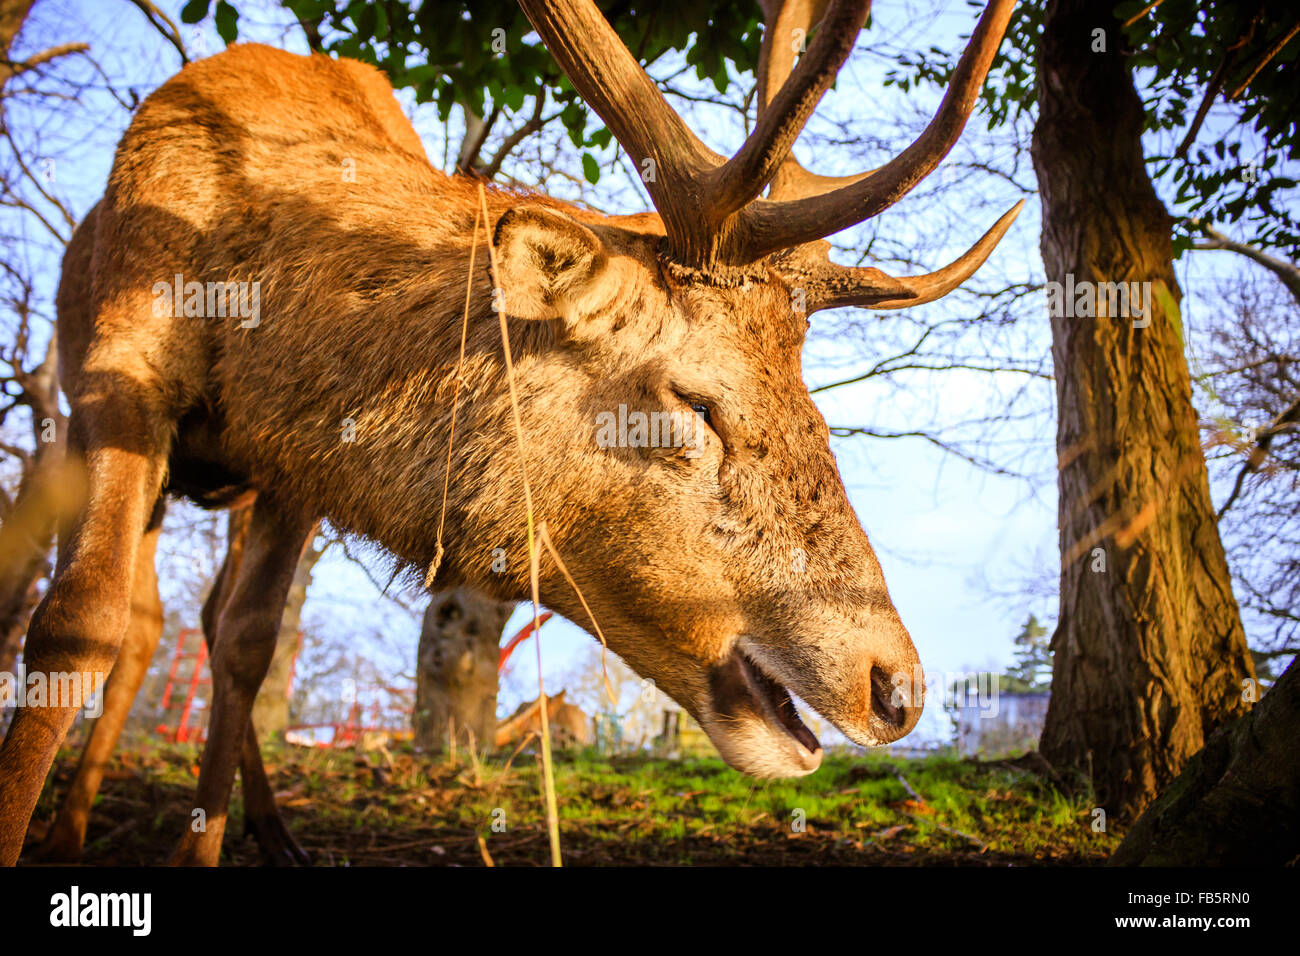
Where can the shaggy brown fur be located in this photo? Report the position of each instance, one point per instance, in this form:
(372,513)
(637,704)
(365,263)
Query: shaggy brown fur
(724,577)
(65,839)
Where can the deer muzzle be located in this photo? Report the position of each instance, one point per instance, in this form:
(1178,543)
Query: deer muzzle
(871,690)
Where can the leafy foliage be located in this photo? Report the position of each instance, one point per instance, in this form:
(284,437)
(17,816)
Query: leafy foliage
(1178,51)
(1032,671)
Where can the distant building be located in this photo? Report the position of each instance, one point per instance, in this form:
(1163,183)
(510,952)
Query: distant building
(999,723)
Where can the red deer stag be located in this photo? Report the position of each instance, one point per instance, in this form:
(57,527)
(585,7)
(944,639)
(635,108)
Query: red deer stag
(731,570)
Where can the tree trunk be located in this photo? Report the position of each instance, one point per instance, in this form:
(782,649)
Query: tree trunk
(271,708)
(27,539)
(456,670)
(1238,801)
(1150,652)
(44,492)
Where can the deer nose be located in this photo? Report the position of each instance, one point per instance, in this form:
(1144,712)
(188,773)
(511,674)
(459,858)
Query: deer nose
(897,698)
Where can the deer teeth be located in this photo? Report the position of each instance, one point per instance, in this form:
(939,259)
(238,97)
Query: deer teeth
(777,705)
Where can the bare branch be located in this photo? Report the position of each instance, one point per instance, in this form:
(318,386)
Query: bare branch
(1287,272)
(1259,451)
(164,25)
(11,68)
(508,145)
(476,133)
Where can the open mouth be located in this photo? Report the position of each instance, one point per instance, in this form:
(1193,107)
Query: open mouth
(741,687)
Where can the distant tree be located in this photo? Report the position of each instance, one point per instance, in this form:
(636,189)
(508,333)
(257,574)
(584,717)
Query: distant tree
(1032,671)
(1029,673)
(456,670)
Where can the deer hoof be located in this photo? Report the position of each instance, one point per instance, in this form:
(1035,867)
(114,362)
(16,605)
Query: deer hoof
(277,844)
(59,846)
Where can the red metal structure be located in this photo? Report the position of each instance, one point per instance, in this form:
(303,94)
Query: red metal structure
(188,727)
(200,675)
(353,728)
(519,638)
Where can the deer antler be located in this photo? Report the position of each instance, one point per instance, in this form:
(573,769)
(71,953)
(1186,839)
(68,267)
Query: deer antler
(808,266)
(790,19)
(712,215)
(701,196)
(828,285)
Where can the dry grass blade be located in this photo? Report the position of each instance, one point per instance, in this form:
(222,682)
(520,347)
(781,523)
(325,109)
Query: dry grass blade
(528,738)
(455,401)
(544,536)
(548,770)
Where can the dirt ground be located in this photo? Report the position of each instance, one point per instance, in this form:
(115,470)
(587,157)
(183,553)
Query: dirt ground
(404,809)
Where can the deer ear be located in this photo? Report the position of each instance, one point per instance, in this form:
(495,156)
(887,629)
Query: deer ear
(549,266)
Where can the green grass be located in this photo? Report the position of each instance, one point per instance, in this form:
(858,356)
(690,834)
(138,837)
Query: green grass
(403,808)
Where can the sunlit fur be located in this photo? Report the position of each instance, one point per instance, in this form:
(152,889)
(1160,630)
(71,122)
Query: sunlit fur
(235,171)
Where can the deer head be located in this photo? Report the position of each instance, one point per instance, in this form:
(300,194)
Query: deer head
(730,569)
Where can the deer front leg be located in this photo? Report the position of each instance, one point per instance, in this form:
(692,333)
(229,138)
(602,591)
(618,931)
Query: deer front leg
(247,625)
(64,842)
(123,439)
(261,815)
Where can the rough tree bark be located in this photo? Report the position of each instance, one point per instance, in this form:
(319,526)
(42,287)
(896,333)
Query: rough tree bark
(1150,652)
(29,520)
(24,548)
(1238,801)
(271,708)
(456,670)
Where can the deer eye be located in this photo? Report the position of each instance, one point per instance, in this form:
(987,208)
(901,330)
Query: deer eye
(697,405)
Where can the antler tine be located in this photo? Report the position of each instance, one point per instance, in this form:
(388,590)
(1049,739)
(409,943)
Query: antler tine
(697,192)
(774,224)
(937,284)
(710,214)
(782,19)
(612,82)
(828,285)
(782,117)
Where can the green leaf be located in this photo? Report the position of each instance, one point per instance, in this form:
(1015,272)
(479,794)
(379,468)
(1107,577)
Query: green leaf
(514,97)
(365,18)
(422,73)
(590,168)
(194,11)
(227,20)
